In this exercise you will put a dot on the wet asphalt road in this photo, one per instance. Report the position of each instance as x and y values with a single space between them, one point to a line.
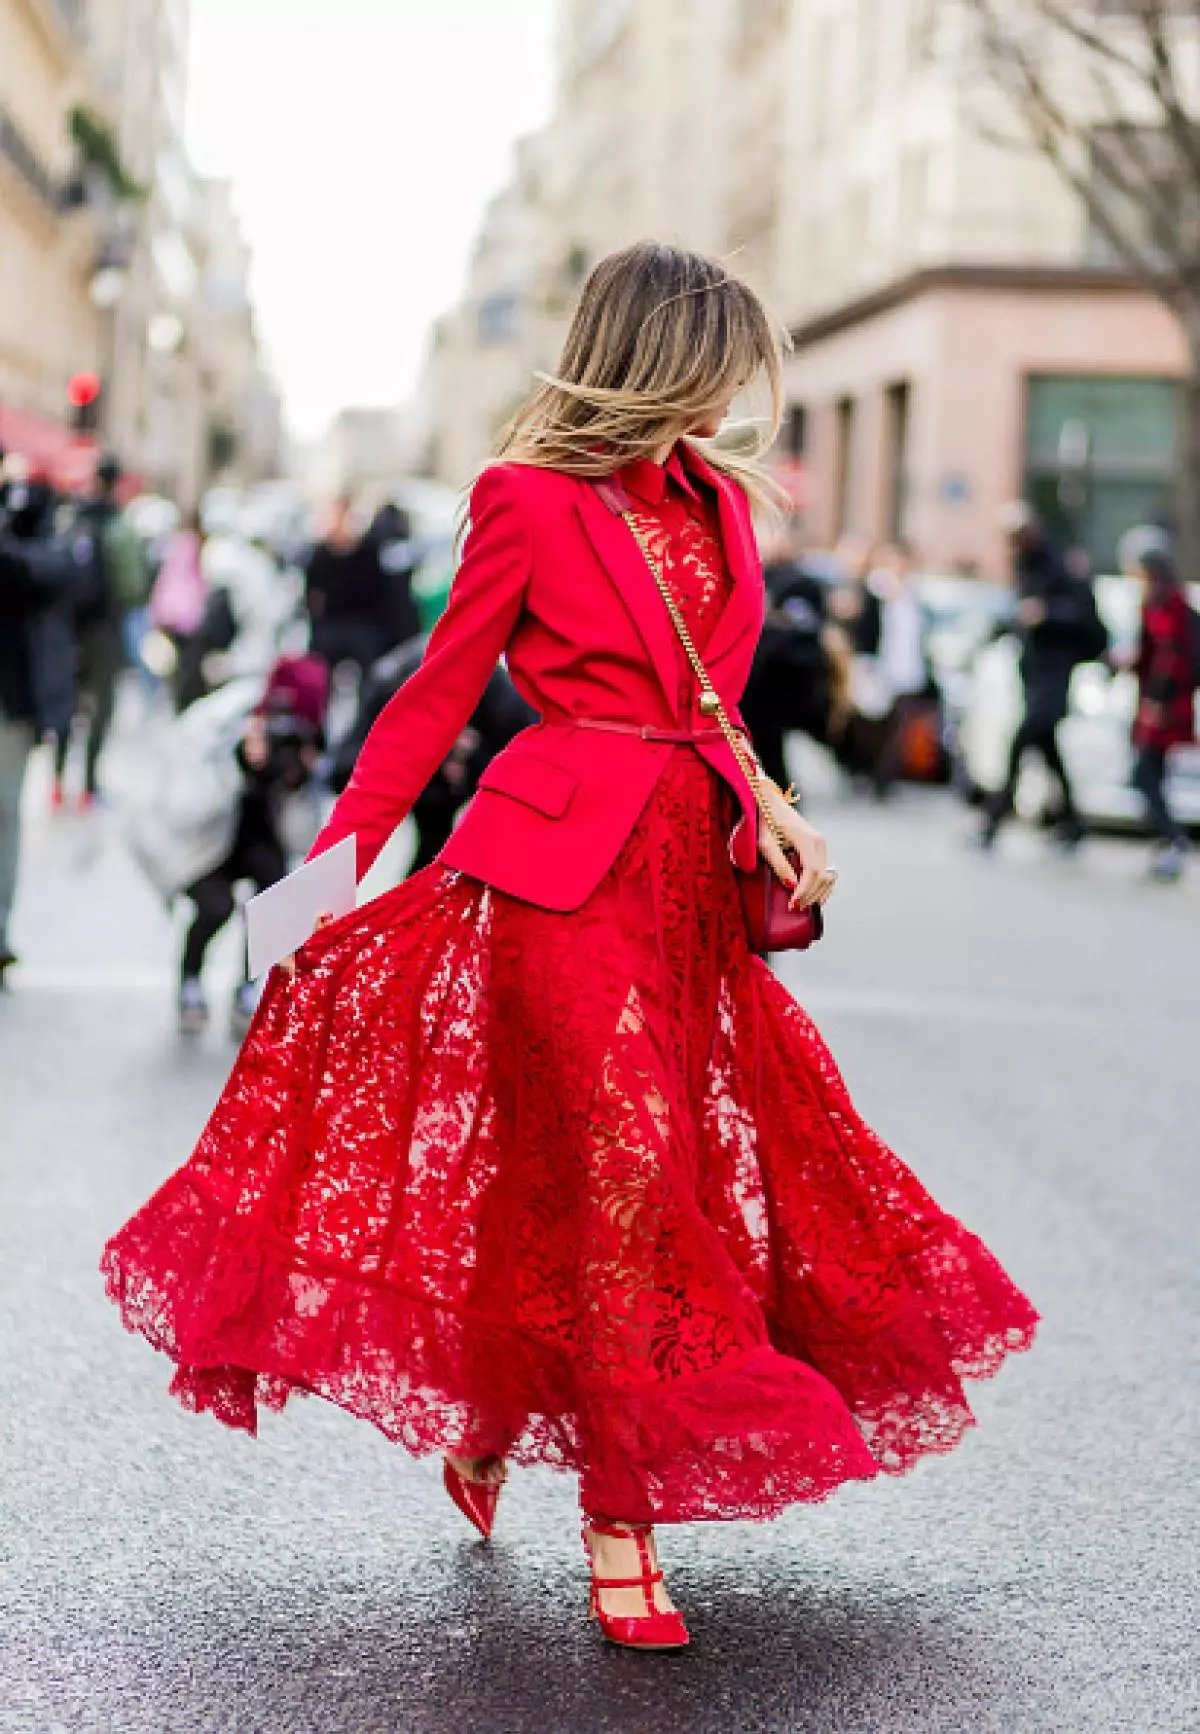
1024 1031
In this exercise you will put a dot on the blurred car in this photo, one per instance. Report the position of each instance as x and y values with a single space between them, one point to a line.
1094 736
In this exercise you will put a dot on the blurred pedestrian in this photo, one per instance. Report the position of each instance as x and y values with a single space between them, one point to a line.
857 611
396 552
178 599
348 599
112 587
791 684
276 755
532 1155
209 811
249 605
498 718
909 736
1167 665
1059 627
37 661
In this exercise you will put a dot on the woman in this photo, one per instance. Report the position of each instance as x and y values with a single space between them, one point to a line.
1165 716
532 1159
179 596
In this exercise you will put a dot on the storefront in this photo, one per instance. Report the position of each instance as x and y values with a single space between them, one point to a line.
67 458
929 406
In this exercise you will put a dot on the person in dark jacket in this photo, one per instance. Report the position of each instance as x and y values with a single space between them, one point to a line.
277 755
1165 665
37 662
347 595
1059 627
791 681
396 551
117 583
500 715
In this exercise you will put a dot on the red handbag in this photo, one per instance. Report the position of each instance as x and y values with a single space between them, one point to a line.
771 922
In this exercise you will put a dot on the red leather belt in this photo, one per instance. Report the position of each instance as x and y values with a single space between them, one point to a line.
681 737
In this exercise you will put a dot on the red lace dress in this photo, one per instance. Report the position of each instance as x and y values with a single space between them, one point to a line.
584 1189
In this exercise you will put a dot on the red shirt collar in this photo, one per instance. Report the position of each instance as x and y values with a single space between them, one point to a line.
647 481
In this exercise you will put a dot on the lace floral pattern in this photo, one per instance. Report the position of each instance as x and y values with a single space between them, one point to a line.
584 1189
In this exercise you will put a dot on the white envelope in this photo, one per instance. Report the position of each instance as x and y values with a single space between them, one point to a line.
281 918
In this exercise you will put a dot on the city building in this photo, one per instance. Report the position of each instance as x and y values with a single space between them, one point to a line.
961 333
243 419
187 401
49 328
363 451
634 148
484 353
961 337
154 389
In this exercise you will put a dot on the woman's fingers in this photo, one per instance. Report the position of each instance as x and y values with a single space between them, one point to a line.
808 890
288 964
776 860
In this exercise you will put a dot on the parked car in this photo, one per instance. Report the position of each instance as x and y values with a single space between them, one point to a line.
1094 736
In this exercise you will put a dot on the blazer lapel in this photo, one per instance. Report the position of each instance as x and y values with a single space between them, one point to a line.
625 565
743 612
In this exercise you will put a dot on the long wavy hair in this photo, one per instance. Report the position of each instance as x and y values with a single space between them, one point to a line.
661 340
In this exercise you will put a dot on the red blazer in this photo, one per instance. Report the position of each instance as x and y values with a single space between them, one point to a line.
553 580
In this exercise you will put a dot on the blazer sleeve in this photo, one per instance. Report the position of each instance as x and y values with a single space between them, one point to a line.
418 727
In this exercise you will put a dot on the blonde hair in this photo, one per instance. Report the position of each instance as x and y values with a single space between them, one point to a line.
661 339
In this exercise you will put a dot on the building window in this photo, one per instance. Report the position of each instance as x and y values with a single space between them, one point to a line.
795 430
1100 456
843 465
897 417
497 318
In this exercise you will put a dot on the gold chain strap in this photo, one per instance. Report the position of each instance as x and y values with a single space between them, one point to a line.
710 698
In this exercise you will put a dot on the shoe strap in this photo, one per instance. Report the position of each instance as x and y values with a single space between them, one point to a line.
636 1532
648 1580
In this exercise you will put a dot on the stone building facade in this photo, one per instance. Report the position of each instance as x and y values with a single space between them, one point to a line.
959 335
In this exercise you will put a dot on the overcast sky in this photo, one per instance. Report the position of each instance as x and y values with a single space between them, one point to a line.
364 138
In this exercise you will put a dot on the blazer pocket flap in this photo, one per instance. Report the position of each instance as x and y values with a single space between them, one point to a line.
545 787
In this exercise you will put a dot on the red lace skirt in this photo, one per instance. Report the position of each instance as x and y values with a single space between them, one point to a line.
583 1189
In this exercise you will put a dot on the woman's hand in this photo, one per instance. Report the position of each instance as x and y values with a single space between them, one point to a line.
816 879
288 964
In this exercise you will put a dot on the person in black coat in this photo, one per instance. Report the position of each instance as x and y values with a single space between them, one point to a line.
1059 627
37 661
791 679
396 550
348 596
500 715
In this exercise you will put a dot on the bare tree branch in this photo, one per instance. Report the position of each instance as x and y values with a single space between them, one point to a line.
1145 185
1180 124
1054 135
1119 152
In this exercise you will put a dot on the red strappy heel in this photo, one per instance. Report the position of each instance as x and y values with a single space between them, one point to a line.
653 1630
477 1500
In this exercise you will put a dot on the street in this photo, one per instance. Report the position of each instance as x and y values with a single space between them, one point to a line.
1021 1028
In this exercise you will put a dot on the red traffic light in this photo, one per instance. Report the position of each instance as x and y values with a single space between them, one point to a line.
83 389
